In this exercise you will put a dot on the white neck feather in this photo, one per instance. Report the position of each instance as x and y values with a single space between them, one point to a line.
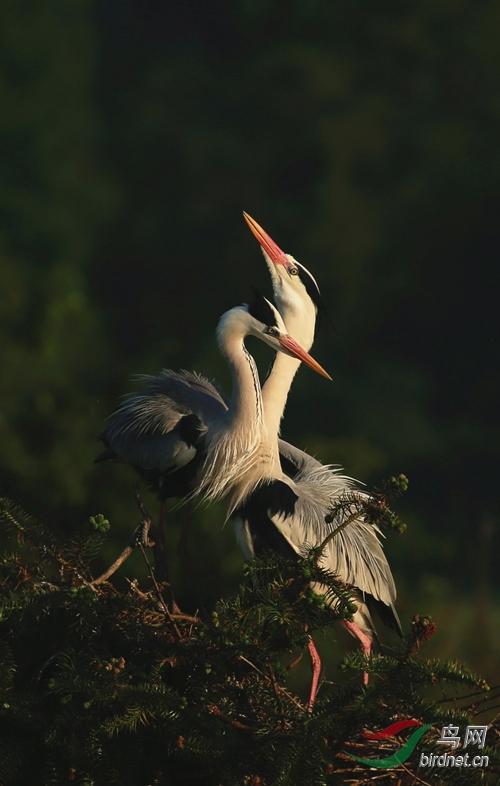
275 393
300 323
266 462
232 450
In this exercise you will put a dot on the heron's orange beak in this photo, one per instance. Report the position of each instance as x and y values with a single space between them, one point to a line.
266 242
289 343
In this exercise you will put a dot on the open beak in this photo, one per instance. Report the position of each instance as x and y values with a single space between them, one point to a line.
289 343
266 242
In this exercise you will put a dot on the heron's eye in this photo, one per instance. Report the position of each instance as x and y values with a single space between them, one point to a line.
272 331
294 271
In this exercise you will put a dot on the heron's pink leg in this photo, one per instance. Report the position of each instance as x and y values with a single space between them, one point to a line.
316 672
365 642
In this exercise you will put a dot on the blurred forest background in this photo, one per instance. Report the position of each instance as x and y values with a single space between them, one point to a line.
365 139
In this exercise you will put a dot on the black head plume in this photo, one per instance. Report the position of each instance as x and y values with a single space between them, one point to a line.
261 310
311 287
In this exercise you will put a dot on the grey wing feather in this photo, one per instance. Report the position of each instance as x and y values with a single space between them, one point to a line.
182 393
147 428
355 553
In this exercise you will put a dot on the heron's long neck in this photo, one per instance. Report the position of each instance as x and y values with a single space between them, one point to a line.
301 325
246 407
232 450
266 461
275 392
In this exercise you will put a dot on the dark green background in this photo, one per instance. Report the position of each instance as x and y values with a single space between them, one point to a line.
365 138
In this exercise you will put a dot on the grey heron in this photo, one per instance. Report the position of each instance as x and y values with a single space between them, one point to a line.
282 510
178 432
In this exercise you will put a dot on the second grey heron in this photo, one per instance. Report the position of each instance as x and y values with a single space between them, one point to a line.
284 510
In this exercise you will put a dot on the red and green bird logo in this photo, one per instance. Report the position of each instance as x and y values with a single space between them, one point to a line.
404 752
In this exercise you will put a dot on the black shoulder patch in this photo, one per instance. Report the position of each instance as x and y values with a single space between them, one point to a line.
274 498
268 500
281 498
260 309
190 429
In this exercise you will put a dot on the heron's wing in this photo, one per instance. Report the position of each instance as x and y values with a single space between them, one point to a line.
159 427
189 392
289 515
293 460
198 392
355 553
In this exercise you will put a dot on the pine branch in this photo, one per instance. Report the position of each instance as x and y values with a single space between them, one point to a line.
103 685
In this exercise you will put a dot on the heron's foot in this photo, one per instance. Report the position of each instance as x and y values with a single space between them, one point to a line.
365 643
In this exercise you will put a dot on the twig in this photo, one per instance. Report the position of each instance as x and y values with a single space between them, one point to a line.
383 744
484 700
65 564
215 710
486 709
295 661
276 687
160 555
493 720
363 776
179 615
176 615
191 626
141 505
419 780
335 532
490 692
159 595
141 535
135 588
282 690
127 551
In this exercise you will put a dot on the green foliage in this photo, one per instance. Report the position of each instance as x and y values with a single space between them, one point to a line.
99 523
101 685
